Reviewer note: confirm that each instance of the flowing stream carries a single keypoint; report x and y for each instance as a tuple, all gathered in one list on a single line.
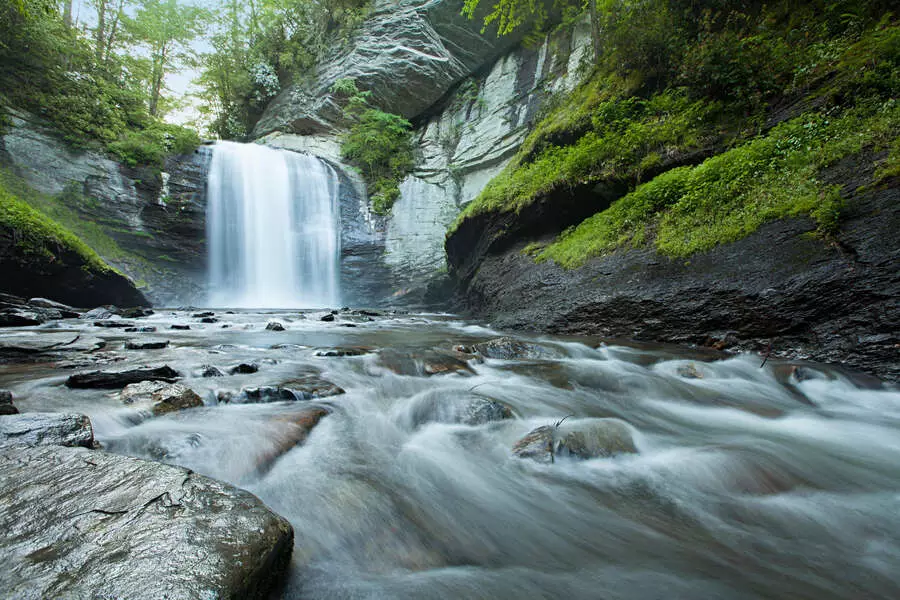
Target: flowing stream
[(748, 482), (273, 228)]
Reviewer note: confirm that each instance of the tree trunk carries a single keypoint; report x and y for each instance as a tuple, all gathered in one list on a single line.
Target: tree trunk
[(595, 30), (100, 32), (110, 40), (156, 85), (67, 13)]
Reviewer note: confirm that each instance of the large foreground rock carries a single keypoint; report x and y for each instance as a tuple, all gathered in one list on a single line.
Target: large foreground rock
[(77, 523), (42, 429), (43, 343)]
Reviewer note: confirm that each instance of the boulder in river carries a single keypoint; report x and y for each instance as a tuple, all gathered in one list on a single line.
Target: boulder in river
[(146, 344), (119, 379), (303, 387), (433, 361), (17, 317), (274, 326), (160, 397), (343, 351), (588, 438), (203, 315), (211, 371), (180, 327), (148, 329), (46, 343), (302, 421), (508, 348), (327, 318), (99, 313), (6, 403), (244, 369), (37, 429), (77, 523)]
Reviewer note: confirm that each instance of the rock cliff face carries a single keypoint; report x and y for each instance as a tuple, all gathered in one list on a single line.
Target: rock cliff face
[(472, 98), (150, 227)]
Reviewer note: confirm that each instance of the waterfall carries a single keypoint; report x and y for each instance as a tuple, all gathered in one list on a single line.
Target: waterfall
[(272, 229)]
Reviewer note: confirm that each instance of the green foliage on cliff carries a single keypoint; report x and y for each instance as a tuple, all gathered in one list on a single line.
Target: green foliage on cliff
[(39, 240), (732, 194), (90, 89), (150, 146), (679, 80), (378, 143)]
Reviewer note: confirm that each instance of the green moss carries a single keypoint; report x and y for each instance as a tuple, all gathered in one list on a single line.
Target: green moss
[(692, 209), (624, 139), (40, 240)]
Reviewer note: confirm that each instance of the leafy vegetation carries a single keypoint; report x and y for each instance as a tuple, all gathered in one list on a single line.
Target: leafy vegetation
[(692, 209), (38, 239), (96, 90), (260, 46), (378, 143), (678, 78)]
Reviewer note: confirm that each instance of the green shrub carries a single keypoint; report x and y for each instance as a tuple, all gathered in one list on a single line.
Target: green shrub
[(379, 144), (151, 146)]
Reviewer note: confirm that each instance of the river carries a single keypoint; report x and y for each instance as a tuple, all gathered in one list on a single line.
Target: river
[(749, 481)]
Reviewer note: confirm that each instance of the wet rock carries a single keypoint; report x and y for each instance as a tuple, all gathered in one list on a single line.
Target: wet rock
[(689, 371), (244, 369), (146, 344), (302, 423), (424, 363), (112, 324), (304, 387), (99, 313), (537, 444), (370, 313), (159, 397), (327, 318), (119, 379), (20, 318), (65, 310), (508, 348), (44, 343), (148, 329), (71, 519), (209, 320), (6, 403), (274, 326), (452, 407), (203, 315), (41, 429), (552, 372), (211, 371), (590, 438), (343, 351), (348, 325), (174, 397), (180, 327), (135, 313)]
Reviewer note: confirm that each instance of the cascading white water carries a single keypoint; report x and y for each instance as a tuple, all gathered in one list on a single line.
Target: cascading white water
[(272, 228)]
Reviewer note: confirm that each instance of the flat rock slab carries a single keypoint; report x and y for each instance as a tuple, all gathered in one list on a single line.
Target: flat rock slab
[(77, 523), (146, 344), (119, 379), (49, 342), (41, 429)]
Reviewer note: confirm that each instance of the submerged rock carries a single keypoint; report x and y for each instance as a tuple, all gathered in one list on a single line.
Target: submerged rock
[(508, 348), (328, 318), (76, 523), (180, 327), (590, 438), (6, 403), (148, 329), (113, 323), (339, 351), (274, 326), (304, 387), (442, 406), (425, 363), (119, 379), (209, 320), (303, 421), (203, 315), (146, 344), (41, 429)]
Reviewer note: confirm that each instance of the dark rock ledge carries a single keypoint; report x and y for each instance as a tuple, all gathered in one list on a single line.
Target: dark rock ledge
[(79, 523)]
